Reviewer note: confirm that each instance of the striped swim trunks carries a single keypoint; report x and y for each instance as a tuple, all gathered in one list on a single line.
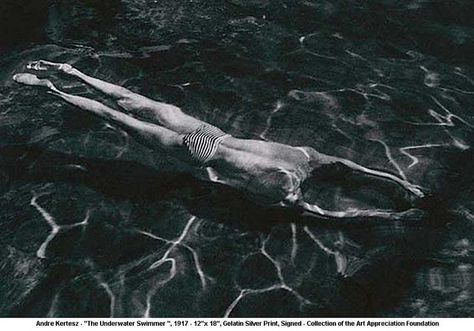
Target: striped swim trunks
[(203, 142)]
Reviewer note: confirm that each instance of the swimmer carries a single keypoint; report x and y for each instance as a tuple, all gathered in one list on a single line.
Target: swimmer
[(271, 171)]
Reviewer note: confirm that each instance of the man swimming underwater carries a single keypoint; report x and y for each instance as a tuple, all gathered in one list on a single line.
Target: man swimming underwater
[(267, 170)]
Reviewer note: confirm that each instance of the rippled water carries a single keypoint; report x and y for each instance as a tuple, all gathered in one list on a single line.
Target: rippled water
[(96, 225)]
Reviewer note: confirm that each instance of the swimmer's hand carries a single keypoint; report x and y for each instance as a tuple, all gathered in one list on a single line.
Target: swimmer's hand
[(413, 214), (42, 65), (415, 189)]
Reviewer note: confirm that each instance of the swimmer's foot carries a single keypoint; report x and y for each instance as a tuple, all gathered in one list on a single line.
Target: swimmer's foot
[(33, 80), (42, 65)]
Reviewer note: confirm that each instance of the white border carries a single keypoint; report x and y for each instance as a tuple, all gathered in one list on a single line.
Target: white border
[(238, 324)]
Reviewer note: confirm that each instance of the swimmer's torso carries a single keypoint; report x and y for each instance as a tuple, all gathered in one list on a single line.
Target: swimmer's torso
[(270, 170)]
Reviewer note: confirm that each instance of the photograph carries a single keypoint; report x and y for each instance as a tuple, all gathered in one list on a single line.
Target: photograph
[(284, 159)]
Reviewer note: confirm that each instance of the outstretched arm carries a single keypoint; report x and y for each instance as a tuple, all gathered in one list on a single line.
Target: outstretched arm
[(322, 159), (316, 211)]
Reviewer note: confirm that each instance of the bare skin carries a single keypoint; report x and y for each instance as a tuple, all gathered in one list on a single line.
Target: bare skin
[(268, 169)]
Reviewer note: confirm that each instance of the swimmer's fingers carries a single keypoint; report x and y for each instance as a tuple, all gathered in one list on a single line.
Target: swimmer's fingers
[(413, 214), (416, 190)]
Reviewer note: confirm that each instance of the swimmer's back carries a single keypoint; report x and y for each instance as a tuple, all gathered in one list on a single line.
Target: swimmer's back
[(270, 169), (272, 151)]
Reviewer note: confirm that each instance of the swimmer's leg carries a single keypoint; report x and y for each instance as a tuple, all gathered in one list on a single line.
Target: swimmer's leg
[(167, 115), (150, 135), (323, 159), (314, 210)]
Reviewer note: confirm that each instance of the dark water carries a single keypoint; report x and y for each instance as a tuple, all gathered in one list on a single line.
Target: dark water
[(95, 225)]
